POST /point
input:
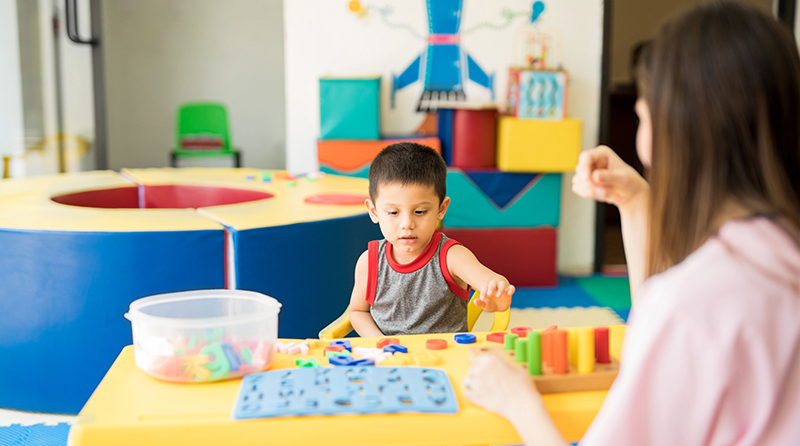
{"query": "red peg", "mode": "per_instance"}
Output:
(521, 332)
(601, 355)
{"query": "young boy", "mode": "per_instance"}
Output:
(416, 280)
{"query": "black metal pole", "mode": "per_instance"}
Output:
(62, 161)
(100, 129)
(602, 137)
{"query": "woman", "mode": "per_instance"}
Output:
(712, 349)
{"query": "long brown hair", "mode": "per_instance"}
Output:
(723, 87)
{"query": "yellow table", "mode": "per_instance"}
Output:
(131, 408)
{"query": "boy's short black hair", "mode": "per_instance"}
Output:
(408, 163)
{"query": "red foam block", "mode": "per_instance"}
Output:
(386, 341)
(525, 256)
(474, 138)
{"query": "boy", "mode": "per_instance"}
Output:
(416, 280)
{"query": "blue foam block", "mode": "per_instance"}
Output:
(344, 390)
(63, 300)
(276, 261)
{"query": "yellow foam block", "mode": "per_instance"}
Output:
(530, 145)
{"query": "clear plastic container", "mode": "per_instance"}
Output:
(204, 336)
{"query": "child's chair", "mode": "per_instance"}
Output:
(341, 326)
(202, 132)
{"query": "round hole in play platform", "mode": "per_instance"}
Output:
(160, 197)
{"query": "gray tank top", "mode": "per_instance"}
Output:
(418, 297)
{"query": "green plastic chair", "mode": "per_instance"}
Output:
(202, 132)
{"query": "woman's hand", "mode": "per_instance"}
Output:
(498, 386)
(602, 175)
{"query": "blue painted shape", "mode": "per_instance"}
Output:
(465, 338)
(444, 16)
(500, 187)
(362, 172)
(406, 78)
(443, 68)
(63, 296)
(278, 262)
(568, 294)
(536, 10)
(477, 75)
(395, 348)
(538, 205)
(445, 133)
(344, 343)
(349, 108)
(34, 435)
(341, 360)
(344, 390)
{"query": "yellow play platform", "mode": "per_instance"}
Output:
(131, 408)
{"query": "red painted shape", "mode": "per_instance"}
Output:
(474, 138)
(496, 337)
(118, 198)
(436, 344)
(334, 348)
(521, 332)
(558, 352)
(160, 197)
(525, 256)
(386, 341)
(336, 199)
(601, 354)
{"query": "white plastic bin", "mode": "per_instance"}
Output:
(204, 336)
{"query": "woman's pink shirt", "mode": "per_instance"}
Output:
(712, 349)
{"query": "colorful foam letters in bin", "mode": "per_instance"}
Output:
(349, 108)
(493, 199)
(529, 145)
(537, 94)
(525, 256)
(353, 157)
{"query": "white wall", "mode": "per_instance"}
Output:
(325, 37)
(159, 54)
(11, 128)
(634, 21)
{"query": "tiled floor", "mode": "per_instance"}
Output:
(595, 300)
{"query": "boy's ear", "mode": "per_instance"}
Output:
(443, 207)
(373, 213)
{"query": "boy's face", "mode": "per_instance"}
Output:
(407, 215)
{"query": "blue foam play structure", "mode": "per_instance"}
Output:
(63, 297)
(316, 254)
(344, 390)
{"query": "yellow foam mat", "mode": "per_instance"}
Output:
(531, 145)
(131, 408)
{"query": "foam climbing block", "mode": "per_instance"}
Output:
(527, 145)
(303, 254)
(444, 127)
(68, 275)
(494, 199)
(474, 138)
(353, 158)
(349, 108)
(525, 256)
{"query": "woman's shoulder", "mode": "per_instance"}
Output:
(747, 275)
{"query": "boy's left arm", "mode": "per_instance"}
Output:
(465, 268)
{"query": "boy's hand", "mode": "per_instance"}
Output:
(496, 296)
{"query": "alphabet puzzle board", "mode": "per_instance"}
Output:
(344, 390)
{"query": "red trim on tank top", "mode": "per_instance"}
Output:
(420, 261)
(461, 293)
(372, 271)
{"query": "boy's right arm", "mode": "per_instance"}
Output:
(360, 318)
